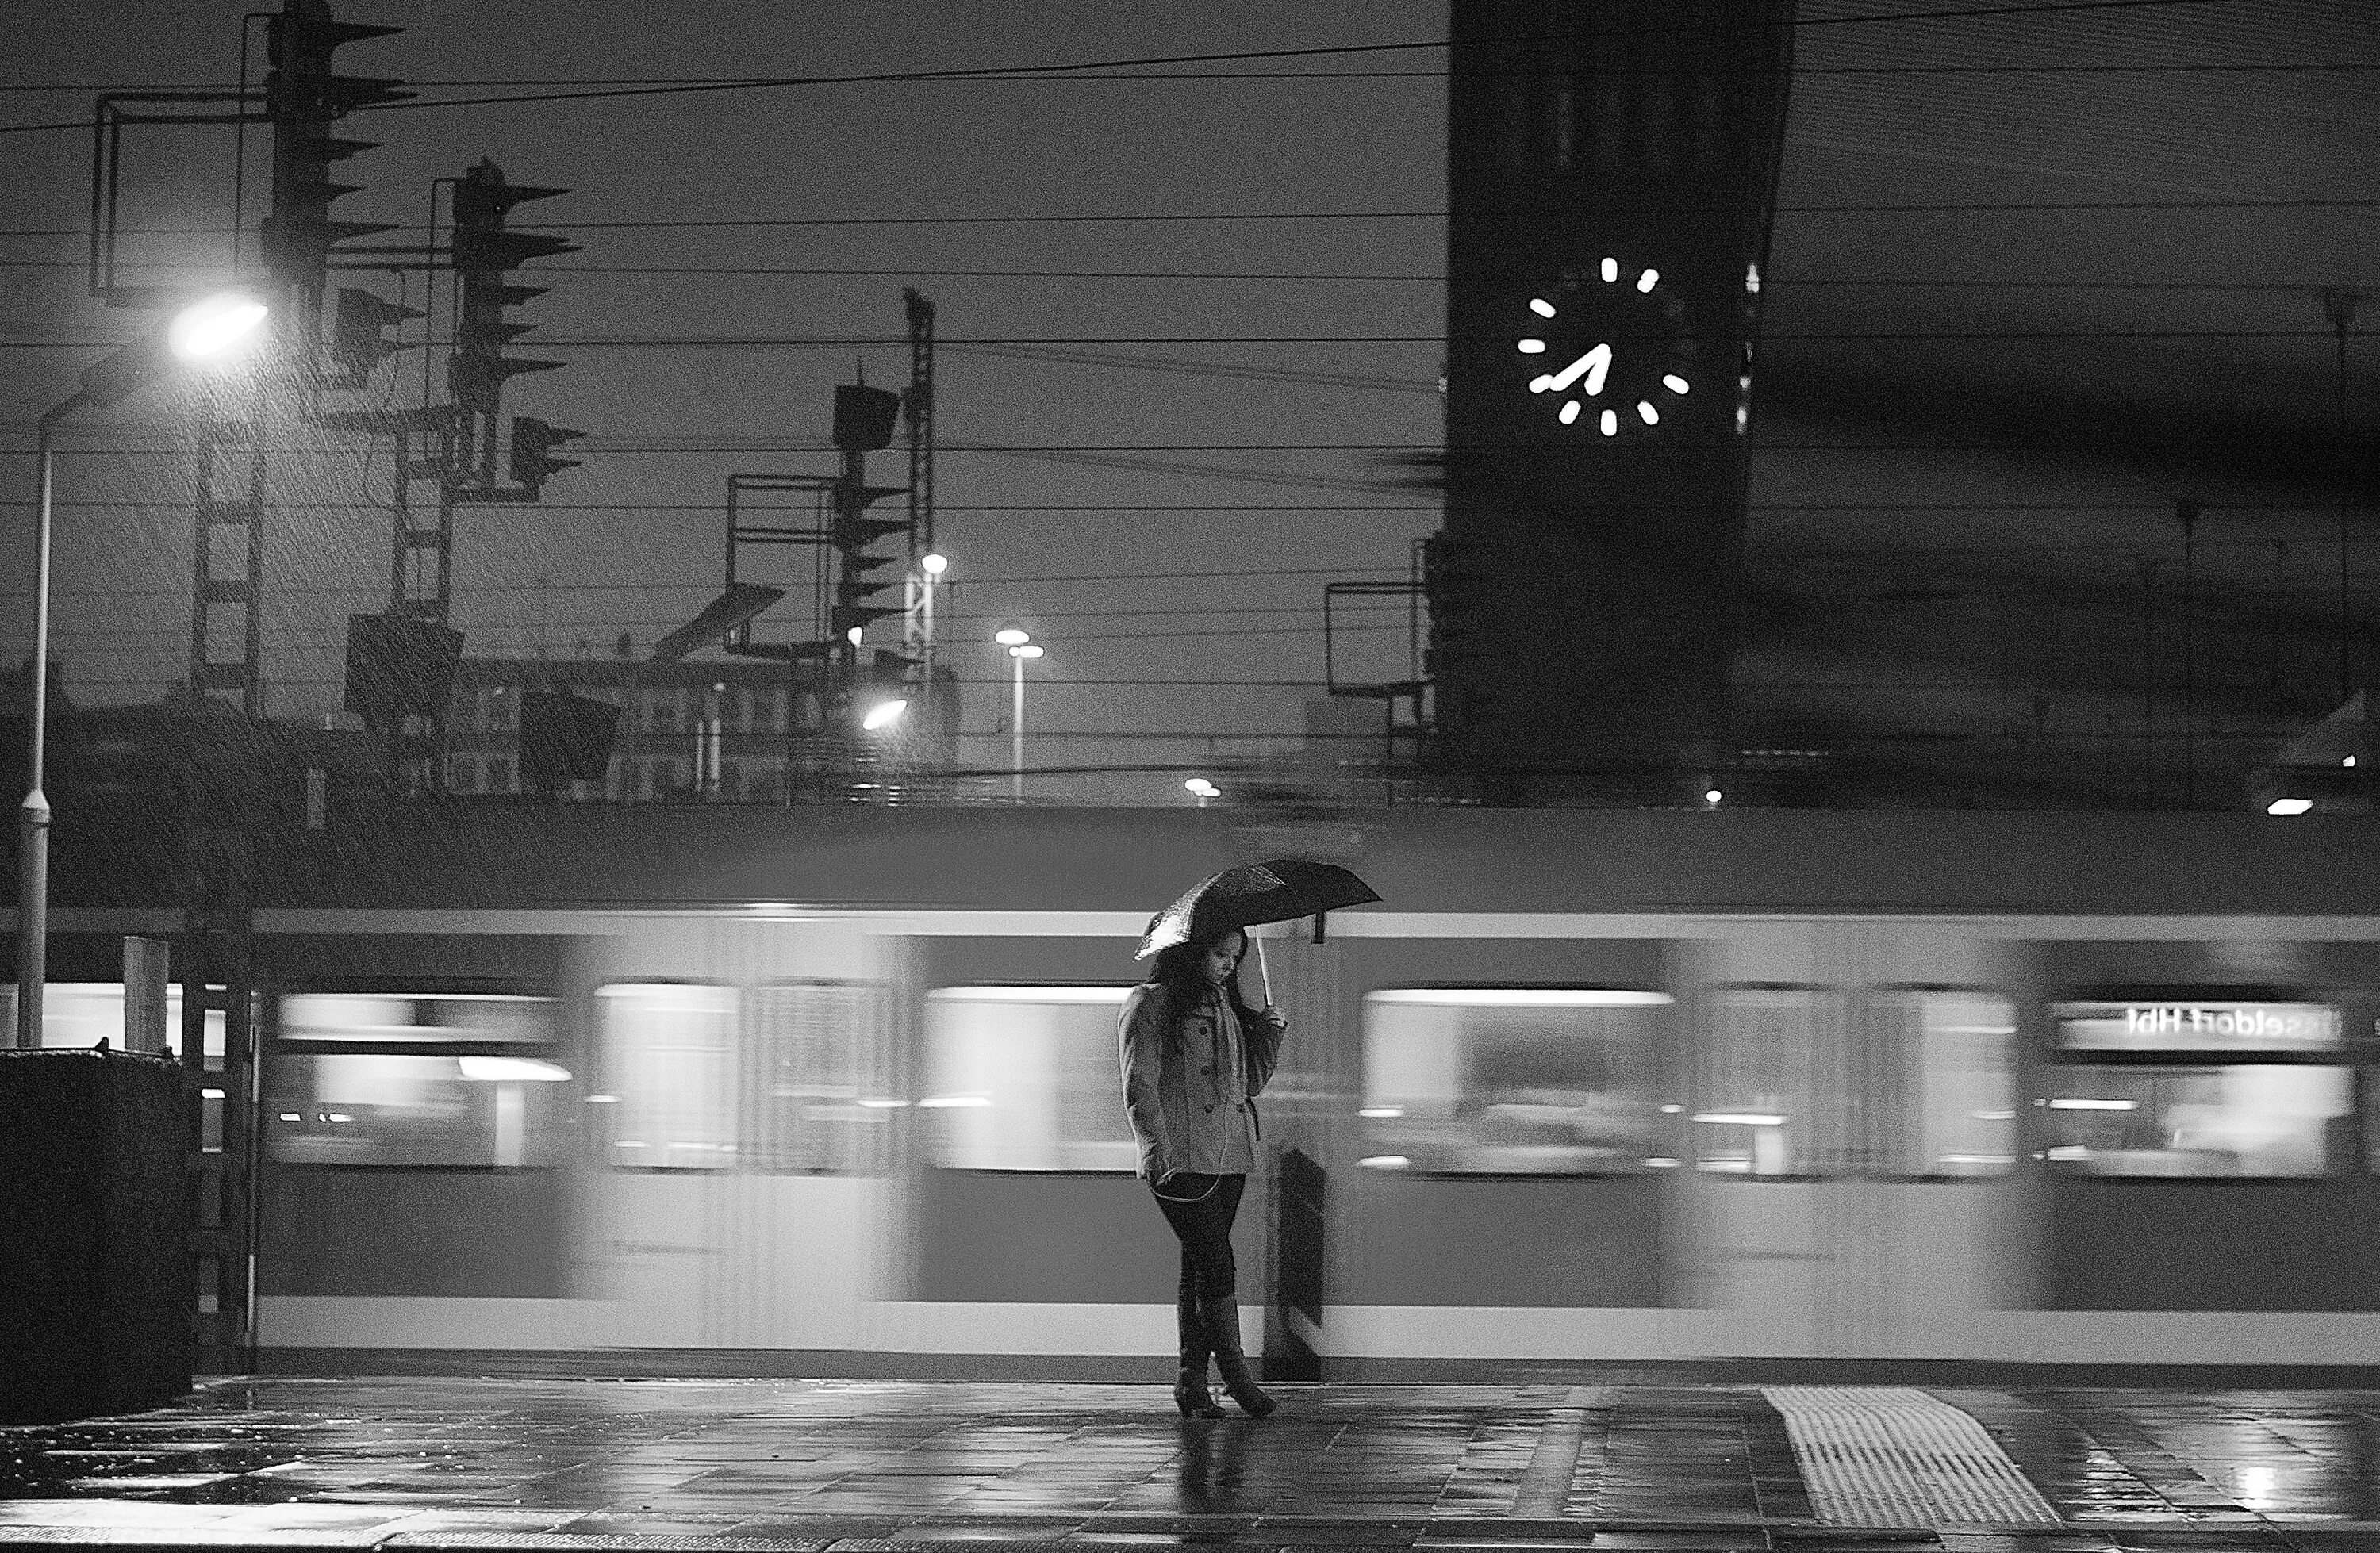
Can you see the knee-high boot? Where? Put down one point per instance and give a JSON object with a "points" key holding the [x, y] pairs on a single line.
{"points": [[1190, 1393], [1223, 1331]]}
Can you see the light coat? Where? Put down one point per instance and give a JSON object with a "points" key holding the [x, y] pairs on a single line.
{"points": [[1190, 1082]]}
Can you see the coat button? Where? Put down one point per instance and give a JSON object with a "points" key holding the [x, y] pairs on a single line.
{"points": [[1210, 1110]]}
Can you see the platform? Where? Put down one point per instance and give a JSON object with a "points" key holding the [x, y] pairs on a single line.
{"points": [[859, 1466]]}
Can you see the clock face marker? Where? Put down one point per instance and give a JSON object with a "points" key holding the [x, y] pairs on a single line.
{"points": [[1644, 409], [1542, 381], [1673, 383], [1540, 306], [1610, 269], [1611, 422], [1648, 280], [1533, 347], [1570, 412]]}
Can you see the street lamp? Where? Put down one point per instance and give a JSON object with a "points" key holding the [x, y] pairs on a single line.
{"points": [[1021, 646], [1202, 790], [210, 330]]}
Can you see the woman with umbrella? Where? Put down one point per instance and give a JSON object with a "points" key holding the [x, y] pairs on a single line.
{"points": [[1195, 1056]]}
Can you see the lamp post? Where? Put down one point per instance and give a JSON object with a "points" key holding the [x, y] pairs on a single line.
{"points": [[924, 582], [1021, 646], [211, 330], [2338, 306], [933, 566]]}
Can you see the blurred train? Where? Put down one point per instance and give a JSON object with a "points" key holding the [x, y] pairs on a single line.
{"points": [[835, 1092]]}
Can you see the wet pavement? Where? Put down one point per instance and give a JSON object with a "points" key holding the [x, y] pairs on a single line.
{"points": [[851, 1466]]}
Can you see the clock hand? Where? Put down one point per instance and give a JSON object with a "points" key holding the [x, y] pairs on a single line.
{"points": [[1592, 366]]}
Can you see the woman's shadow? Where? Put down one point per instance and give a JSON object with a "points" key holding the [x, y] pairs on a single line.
{"points": [[1212, 1464]]}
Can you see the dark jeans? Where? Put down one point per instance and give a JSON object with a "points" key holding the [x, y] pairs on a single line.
{"points": [[1203, 1224]]}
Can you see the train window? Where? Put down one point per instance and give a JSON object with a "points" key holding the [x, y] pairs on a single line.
{"points": [[2236, 1120], [822, 1087], [452, 1080], [1773, 1094], [668, 1100], [414, 1019], [1024, 1078], [1941, 1102], [2197, 1024], [1511, 1081]]}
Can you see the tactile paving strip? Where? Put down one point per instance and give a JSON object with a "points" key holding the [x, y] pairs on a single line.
{"points": [[1893, 1456]]}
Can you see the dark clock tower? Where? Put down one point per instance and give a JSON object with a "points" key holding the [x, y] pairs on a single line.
{"points": [[1612, 169]]}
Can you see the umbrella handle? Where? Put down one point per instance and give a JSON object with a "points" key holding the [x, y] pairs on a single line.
{"points": [[1264, 972]]}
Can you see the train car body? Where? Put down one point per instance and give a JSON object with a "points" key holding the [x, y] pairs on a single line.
{"points": [[835, 1092]]}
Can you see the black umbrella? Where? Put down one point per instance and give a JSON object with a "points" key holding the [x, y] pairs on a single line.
{"points": [[1278, 889]]}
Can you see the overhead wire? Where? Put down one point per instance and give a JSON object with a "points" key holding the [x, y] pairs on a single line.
{"points": [[1947, 207], [2228, 68]]}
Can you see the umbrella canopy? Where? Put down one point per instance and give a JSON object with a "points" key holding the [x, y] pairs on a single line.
{"points": [[1278, 889]]}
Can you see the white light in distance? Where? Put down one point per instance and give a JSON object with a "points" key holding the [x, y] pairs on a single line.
{"points": [[1030, 649], [1533, 347], [1540, 306], [2288, 806], [1673, 383], [1011, 635], [935, 565], [884, 714]]}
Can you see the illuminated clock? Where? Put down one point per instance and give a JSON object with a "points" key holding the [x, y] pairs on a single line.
{"points": [[1607, 350]]}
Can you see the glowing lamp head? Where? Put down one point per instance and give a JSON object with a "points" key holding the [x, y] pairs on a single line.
{"points": [[216, 327], [1012, 635], [2288, 806], [1026, 649], [935, 565], [1202, 788], [883, 714], [854, 635]]}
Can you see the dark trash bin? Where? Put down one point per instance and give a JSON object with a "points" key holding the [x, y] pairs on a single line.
{"points": [[95, 1284]]}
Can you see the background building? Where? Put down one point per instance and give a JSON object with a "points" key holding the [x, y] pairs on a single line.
{"points": [[724, 732]]}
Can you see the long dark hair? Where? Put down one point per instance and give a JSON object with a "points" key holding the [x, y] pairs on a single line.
{"points": [[1177, 970]]}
